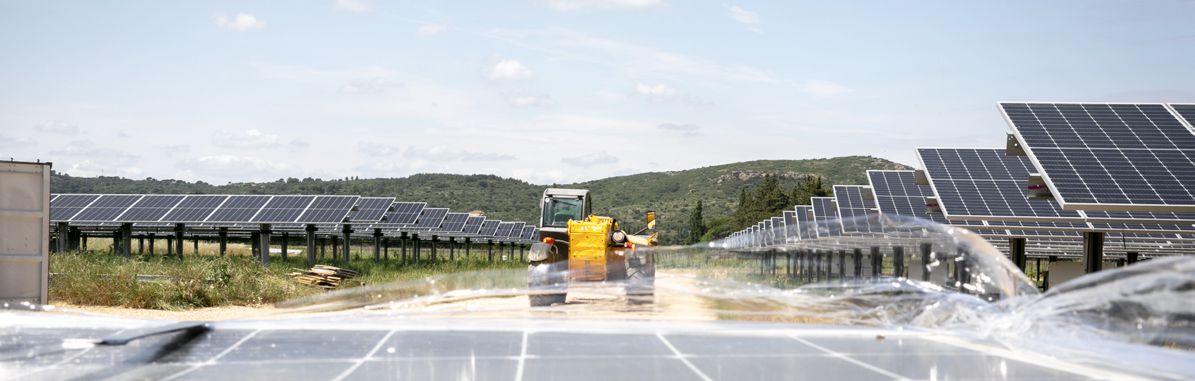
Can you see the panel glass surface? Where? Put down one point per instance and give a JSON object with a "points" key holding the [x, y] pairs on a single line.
{"points": [[150, 208], [405, 213], [473, 224], [855, 208], [328, 209], [371, 209], [65, 206], [283, 209], [454, 222], [194, 208], [107, 207], [239, 208], [430, 218]]}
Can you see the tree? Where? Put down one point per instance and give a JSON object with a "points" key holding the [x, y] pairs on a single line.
{"points": [[696, 224]]}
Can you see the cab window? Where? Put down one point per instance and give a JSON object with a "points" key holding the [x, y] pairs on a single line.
{"points": [[558, 211]]}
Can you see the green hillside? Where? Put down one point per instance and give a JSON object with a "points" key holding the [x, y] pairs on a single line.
{"points": [[670, 194]]}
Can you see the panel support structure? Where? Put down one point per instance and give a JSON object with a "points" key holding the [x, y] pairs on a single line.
{"points": [[310, 229], [1093, 251], [1016, 252]]}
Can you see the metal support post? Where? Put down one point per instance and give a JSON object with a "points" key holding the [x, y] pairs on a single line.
{"points": [[223, 241], [1093, 251], [898, 261], [927, 253], [265, 244], [1016, 252], [348, 230], [178, 239], [877, 262], [377, 245], [310, 229]]}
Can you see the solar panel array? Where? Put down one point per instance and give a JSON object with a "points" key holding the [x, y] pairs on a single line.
{"points": [[371, 209], [430, 218], [472, 225], [454, 222], [489, 228], [856, 208], [1109, 156], [328, 209], [825, 217], [897, 193], [405, 213]]}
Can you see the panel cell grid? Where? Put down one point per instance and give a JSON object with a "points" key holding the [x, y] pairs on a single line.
{"points": [[454, 222], [856, 208], [897, 193], [283, 209], [238, 208], [504, 229], [825, 216], [472, 225], [1109, 156], [985, 184], [806, 228], [371, 209], [515, 230], [430, 218], [405, 213], [65, 206], [489, 228], [194, 208]]}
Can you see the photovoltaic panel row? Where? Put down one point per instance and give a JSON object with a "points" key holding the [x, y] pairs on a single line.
{"points": [[328, 209], [65, 206], [107, 207], [897, 193], [856, 207], [790, 226], [489, 228], [806, 228], [405, 213], [473, 225], [371, 209], [1109, 156], [430, 218], [529, 233], [282, 209], [454, 222]]}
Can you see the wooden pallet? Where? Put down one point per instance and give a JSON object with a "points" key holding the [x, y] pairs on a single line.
{"points": [[323, 276]]}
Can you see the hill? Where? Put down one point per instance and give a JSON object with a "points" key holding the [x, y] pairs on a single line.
{"points": [[671, 194]]}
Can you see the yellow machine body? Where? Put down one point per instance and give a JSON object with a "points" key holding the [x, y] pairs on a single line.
{"points": [[589, 246]]}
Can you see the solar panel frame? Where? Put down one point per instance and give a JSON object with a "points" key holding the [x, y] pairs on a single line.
{"points": [[453, 222], [405, 213], [516, 229], [806, 227], [194, 208], [429, 219], [238, 209], [473, 225], [504, 230], [856, 209], [283, 209], [825, 215], [489, 228], [1141, 155]]}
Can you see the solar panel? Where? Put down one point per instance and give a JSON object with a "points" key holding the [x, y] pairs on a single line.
{"points": [[504, 229], [516, 229], [65, 206], [454, 222], [825, 216], [283, 209], [472, 225], [897, 193], [430, 218], [791, 233], [1186, 111], [985, 184], [194, 208], [1109, 156], [405, 213], [530, 233], [328, 209], [107, 208], [238, 208], [805, 226], [150, 208], [489, 228], [371, 209], [856, 206]]}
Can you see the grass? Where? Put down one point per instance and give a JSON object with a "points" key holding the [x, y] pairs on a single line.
{"points": [[100, 278]]}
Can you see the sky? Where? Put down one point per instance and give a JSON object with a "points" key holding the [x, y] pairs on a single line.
{"points": [[551, 91]]}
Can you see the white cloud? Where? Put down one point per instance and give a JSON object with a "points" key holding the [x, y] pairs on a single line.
{"points": [[14, 141], [824, 88], [57, 127], [353, 5], [572, 5], [91, 168], [252, 167], [88, 150], [510, 69], [687, 129], [240, 22], [431, 29], [744, 16], [591, 160], [657, 91]]}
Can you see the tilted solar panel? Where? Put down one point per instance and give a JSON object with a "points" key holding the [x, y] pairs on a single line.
{"points": [[283, 209], [371, 209], [825, 216], [897, 193], [65, 206], [504, 229], [454, 222], [985, 184], [856, 207], [472, 225], [516, 229], [430, 218], [107, 208], [805, 226], [328, 209], [240, 208], [1100, 156], [194, 208], [530, 233], [405, 213], [791, 234], [150, 208], [489, 228]]}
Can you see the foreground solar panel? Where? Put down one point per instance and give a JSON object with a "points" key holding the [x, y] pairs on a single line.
{"points": [[897, 193], [430, 218], [1186, 111], [405, 213], [1109, 156], [371, 209], [65, 206], [856, 206], [194, 208], [328, 209]]}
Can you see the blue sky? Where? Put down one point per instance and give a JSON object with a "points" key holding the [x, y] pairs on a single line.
{"points": [[550, 90]]}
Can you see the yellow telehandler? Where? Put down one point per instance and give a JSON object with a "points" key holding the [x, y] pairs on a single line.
{"points": [[578, 246]]}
